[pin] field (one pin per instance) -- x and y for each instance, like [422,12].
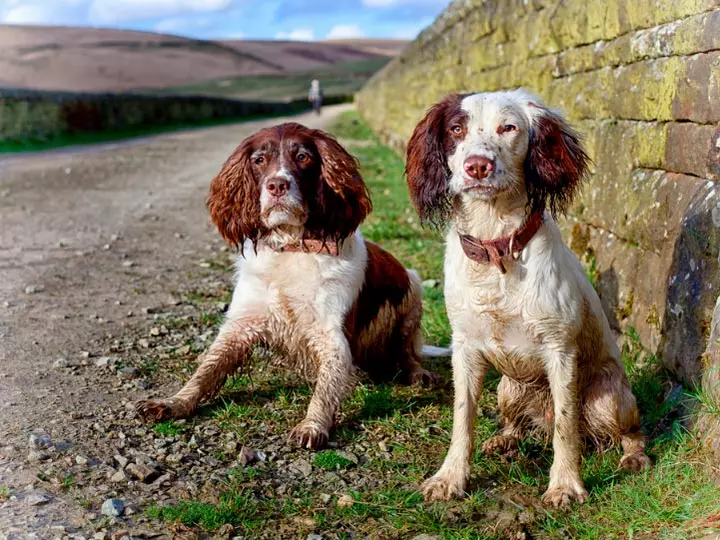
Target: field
[107,60]
[390,437]
[339,79]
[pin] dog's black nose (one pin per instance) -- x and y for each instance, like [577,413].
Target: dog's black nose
[277,187]
[478,167]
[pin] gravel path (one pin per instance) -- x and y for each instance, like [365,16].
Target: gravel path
[92,242]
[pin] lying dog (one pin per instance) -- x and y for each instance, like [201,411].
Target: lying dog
[498,167]
[307,282]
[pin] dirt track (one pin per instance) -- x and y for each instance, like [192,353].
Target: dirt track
[88,240]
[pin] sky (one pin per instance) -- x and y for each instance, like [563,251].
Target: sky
[304,20]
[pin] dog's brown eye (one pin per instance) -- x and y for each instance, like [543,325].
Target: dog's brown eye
[507,128]
[302,157]
[259,160]
[456,129]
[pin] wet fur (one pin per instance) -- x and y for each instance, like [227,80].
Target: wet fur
[329,315]
[541,324]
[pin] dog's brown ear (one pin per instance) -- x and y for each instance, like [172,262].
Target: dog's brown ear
[556,162]
[426,166]
[234,199]
[342,201]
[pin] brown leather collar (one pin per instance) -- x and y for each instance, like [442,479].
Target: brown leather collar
[310,245]
[494,251]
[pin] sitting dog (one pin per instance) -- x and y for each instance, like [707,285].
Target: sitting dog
[307,282]
[497,167]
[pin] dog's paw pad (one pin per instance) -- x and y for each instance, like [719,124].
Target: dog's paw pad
[438,488]
[309,434]
[423,377]
[635,463]
[503,445]
[155,410]
[562,496]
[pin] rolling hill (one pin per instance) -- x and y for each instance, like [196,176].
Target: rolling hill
[98,60]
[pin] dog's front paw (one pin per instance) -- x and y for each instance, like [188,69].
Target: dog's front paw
[635,463]
[560,496]
[309,434]
[503,445]
[155,410]
[443,487]
[423,377]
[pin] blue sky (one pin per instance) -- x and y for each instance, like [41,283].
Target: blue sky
[240,19]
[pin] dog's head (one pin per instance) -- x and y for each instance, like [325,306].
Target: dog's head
[292,179]
[489,146]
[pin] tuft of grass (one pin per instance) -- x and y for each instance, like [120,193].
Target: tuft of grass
[331,460]
[4,493]
[168,428]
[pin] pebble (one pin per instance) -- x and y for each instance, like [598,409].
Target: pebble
[81,460]
[121,460]
[247,455]
[430,283]
[313,536]
[301,466]
[105,361]
[34,289]
[128,264]
[36,499]
[128,373]
[113,507]
[119,477]
[142,472]
[61,363]
[348,455]
[346,501]
[40,441]
[37,455]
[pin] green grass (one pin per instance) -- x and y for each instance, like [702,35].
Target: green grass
[340,79]
[330,460]
[401,435]
[168,428]
[96,137]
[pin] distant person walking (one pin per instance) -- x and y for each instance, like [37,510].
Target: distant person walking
[315,95]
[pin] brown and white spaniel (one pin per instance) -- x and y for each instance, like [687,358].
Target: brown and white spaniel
[291,199]
[495,168]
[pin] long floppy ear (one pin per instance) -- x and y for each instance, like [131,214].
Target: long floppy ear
[556,162]
[234,199]
[342,201]
[426,165]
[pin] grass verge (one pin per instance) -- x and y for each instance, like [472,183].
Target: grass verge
[33,144]
[391,437]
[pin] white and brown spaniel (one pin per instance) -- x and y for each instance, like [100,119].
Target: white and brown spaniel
[307,282]
[496,168]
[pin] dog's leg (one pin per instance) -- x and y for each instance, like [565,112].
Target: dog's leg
[334,380]
[514,398]
[469,370]
[565,482]
[231,347]
[412,337]
[611,413]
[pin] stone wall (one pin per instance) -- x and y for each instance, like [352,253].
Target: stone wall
[641,80]
[27,114]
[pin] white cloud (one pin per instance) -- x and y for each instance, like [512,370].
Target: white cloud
[345,31]
[28,14]
[115,11]
[299,34]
